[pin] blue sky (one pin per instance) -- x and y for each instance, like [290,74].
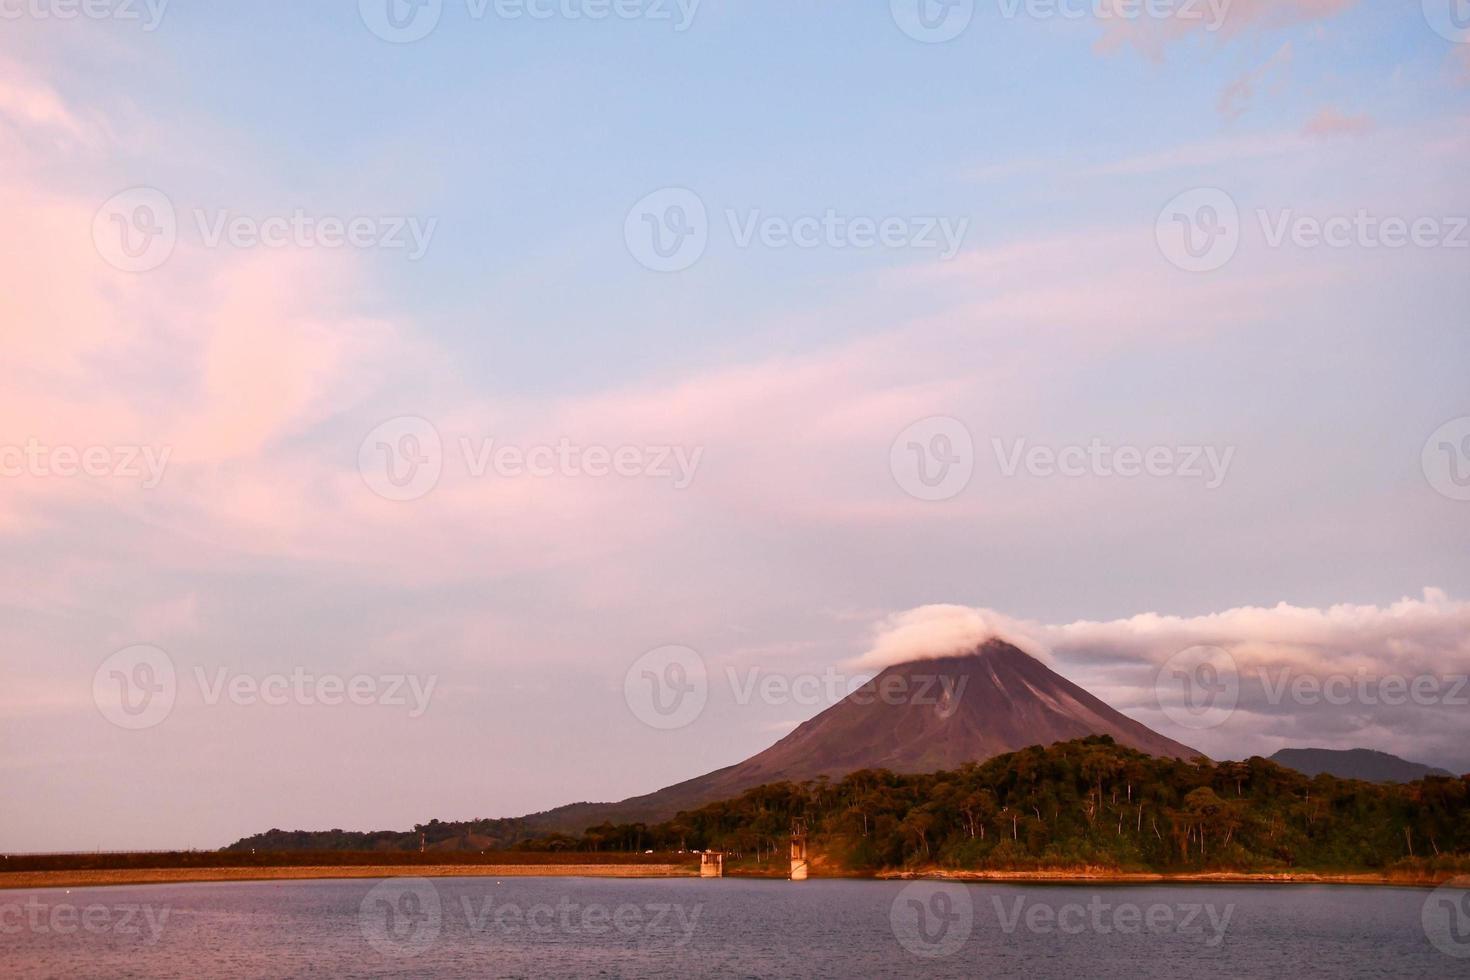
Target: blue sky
[1065,316]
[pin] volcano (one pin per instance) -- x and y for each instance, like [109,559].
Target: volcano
[915,717]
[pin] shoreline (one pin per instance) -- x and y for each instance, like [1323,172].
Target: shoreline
[13,880]
[17,880]
[1106,877]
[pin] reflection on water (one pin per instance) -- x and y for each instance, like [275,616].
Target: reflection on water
[483,927]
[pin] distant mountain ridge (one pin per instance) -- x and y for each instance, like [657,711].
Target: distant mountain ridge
[1365,764]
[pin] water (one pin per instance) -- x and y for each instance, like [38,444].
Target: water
[591,927]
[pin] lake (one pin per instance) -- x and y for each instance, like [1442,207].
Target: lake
[603,927]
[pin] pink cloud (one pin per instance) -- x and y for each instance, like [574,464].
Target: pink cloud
[1151,36]
[1212,153]
[28,104]
[1330,122]
[269,359]
[1237,97]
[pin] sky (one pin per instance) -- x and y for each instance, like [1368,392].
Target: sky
[393,395]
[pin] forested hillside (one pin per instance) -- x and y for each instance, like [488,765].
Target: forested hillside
[1086,802]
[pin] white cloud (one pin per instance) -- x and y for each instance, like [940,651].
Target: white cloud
[1426,638]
